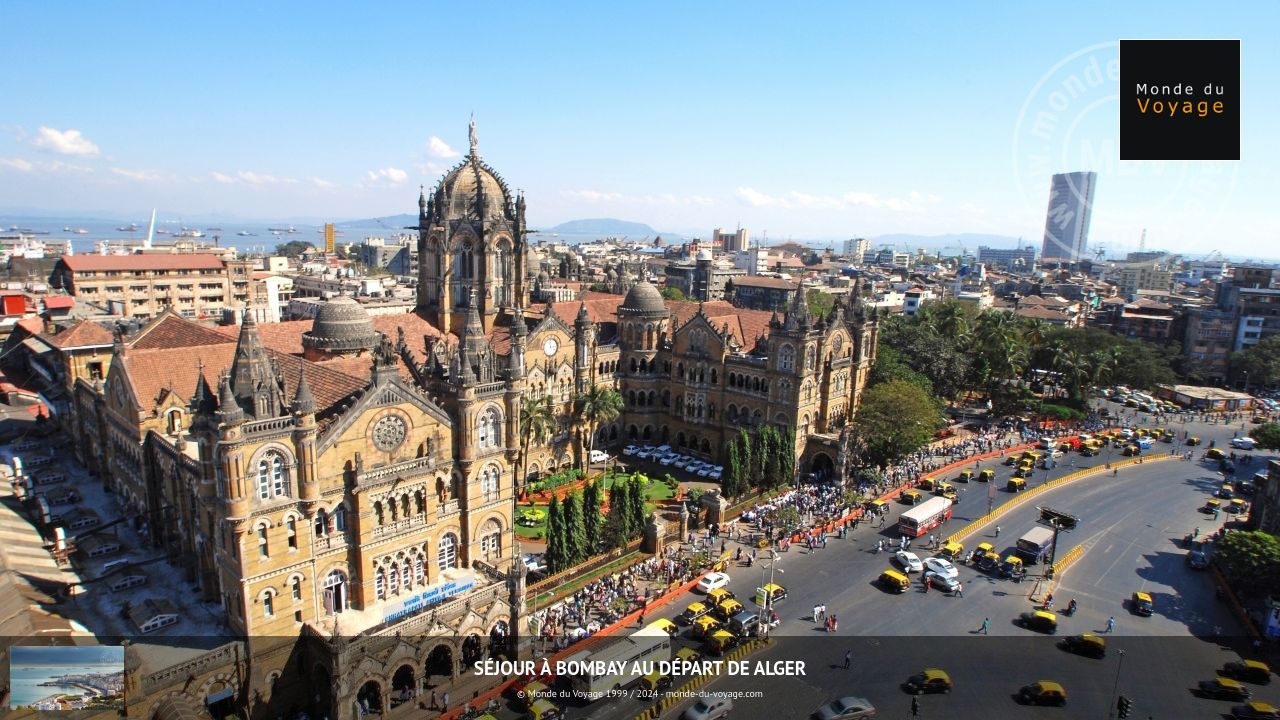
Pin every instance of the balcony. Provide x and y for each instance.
(448, 509)
(406, 469)
(399, 526)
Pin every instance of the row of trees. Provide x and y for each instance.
(577, 529)
(762, 459)
(538, 421)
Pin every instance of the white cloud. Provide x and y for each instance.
(16, 164)
(136, 174)
(65, 142)
(590, 196)
(796, 200)
(431, 169)
(322, 184)
(259, 179)
(438, 148)
(660, 199)
(390, 175)
(224, 179)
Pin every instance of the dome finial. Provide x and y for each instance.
(471, 135)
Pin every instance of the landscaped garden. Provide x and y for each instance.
(532, 511)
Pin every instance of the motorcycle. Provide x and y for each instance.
(1071, 609)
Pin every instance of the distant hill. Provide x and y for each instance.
(394, 221)
(602, 226)
(970, 241)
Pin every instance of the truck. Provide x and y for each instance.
(1035, 544)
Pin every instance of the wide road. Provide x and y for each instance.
(1131, 528)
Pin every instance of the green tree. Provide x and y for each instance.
(731, 478)
(635, 508)
(1250, 561)
(889, 365)
(537, 423)
(773, 457)
(1259, 364)
(895, 419)
(759, 455)
(1267, 435)
(673, 293)
(592, 520)
(557, 559)
(787, 457)
(617, 530)
(596, 406)
(575, 529)
(820, 303)
(293, 248)
(746, 457)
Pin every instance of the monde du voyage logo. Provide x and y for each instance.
(1179, 99)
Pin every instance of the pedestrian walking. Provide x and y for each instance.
(1111, 624)
(986, 626)
(433, 700)
(997, 531)
(959, 590)
(848, 658)
(816, 610)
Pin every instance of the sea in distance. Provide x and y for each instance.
(25, 687)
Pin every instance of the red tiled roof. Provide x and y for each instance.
(59, 302)
(601, 308)
(83, 334)
(744, 325)
(150, 261)
(169, 330)
(762, 281)
(1040, 312)
(285, 337)
(33, 325)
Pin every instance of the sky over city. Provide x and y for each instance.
(809, 121)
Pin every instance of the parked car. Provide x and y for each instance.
(1224, 689)
(599, 456)
(630, 450)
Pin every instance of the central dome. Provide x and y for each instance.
(341, 326)
(644, 297)
(460, 187)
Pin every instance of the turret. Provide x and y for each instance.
(229, 412)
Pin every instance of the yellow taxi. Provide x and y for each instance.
(947, 491)
(1015, 484)
(1212, 505)
(770, 594)
(964, 476)
(894, 581)
(721, 641)
(719, 595)
(1045, 692)
(1086, 644)
(952, 550)
(912, 497)
(666, 626)
(1131, 450)
(728, 609)
(1237, 506)
(1142, 604)
(926, 484)
(654, 681)
(695, 611)
(532, 692)
(929, 680)
(1192, 441)
(986, 476)
(703, 626)
(1011, 566)
(544, 710)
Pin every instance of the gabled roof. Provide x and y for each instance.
(83, 334)
(764, 281)
(148, 261)
(170, 330)
(745, 326)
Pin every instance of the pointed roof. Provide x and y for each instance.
(83, 334)
(303, 401)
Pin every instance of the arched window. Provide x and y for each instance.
(340, 518)
(263, 549)
(447, 554)
(419, 570)
(713, 376)
(489, 429)
(393, 580)
(786, 358)
(273, 481)
(489, 483)
(269, 603)
(322, 523)
(491, 540)
(466, 268)
(175, 421)
(335, 591)
(291, 531)
(380, 584)
(296, 586)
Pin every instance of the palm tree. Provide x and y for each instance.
(537, 423)
(597, 405)
(949, 319)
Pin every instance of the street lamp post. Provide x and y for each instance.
(1115, 688)
(767, 605)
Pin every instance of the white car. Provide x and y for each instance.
(695, 466)
(668, 459)
(599, 456)
(713, 581)
(711, 707)
(706, 471)
(941, 566)
(644, 453)
(630, 450)
(1243, 443)
(680, 461)
(664, 449)
(846, 708)
(909, 561)
(715, 474)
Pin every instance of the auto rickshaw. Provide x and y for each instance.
(770, 594)
(1238, 507)
(728, 609)
(1212, 506)
(717, 596)
(1087, 644)
(666, 626)
(721, 641)
(1142, 604)
(952, 550)
(1015, 485)
(1012, 567)
(544, 710)
(987, 475)
(912, 497)
(964, 476)
(703, 626)
(926, 484)
(1193, 441)
(654, 682)
(695, 611)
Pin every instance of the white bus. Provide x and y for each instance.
(924, 517)
(648, 644)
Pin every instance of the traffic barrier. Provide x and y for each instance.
(682, 693)
(1025, 496)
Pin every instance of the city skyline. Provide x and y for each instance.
(838, 122)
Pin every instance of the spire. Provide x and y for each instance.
(254, 380)
(583, 318)
(229, 411)
(518, 327)
(203, 399)
(474, 327)
(422, 201)
(304, 403)
(798, 317)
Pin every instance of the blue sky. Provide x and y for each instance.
(805, 121)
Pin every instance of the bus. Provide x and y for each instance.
(648, 644)
(924, 517)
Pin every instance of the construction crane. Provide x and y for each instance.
(1100, 253)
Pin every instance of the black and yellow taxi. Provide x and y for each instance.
(926, 484)
(1132, 450)
(544, 710)
(717, 596)
(929, 680)
(1193, 441)
(721, 642)
(532, 692)
(1214, 454)
(987, 475)
(1255, 711)
(655, 681)
(1016, 484)
(1221, 688)
(1253, 671)
(728, 609)
(1211, 505)
(688, 655)
(1021, 472)
(911, 497)
(948, 491)
(1086, 644)
(894, 581)
(1039, 621)
(703, 626)
(951, 550)
(1142, 604)
(1237, 506)
(1044, 692)
(695, 611)
(770, 594)
(964, 476)
(666, 626)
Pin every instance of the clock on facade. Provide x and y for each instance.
(550, 346)
(389, 432)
